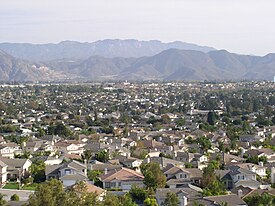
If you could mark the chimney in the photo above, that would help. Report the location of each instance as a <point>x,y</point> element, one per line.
<point>261,164</point>
<point>105,171</point>
<point>85,170</point>
<point>272,175</point>
<point>185,201</point>
<point>240,193</point>
<point>128,155</point>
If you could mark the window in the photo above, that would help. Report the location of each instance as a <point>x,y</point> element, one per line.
<point>67,171</point>
<point>183,176</point>
<point>107,184</point>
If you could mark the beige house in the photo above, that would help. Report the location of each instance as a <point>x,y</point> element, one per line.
<point>122,179</point>
<point>17,168</point>
<point>3,172</point>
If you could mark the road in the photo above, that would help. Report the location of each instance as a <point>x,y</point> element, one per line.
<point>23,194</point>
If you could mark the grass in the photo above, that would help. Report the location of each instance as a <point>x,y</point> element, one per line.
<point>29,187</point>
<point>11,185</point>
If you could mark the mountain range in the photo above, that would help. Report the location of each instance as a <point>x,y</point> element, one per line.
<point>199,63</point>
<point>106,48</point>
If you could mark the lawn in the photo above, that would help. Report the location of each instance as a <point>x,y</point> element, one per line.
<point>11,185</point>
<point>29,187</point>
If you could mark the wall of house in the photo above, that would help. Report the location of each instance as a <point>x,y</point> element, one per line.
<point>125,186</point>
<point>3,174</point>
<point>67,183</point>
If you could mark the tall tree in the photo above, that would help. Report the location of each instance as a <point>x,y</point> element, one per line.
<point>171,200</point>
<point>153,176</point>
<point>211,118</point>
<point>102,156</point>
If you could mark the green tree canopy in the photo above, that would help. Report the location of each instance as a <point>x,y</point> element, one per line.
<point>171,200</point>
<point>153,176</point>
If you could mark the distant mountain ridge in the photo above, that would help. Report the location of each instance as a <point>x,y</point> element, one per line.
<point>107,48</point>
<point>170,64</point>
<point>13,69</point>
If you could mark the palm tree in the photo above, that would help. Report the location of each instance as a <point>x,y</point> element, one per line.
<point>87,155</point>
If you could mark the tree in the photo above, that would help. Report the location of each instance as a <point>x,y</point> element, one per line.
<point>2,201</point>
<point>165,119</point>
<point>59,129</point>
<point>87,155</point>
<point>150,202</point>
<point>260,200</point>
<point>15,197</point>
<point>211,184</point>
<point>273,120</point>
<point>138,194</point>
<point>102,156</point>
<point>211,118</point>
<point>180,122</point>
<point>37,169</point>
<point>93,175</point>
<point>113,200</point>
<point>171,200</point>
<point>153,176</point>
<point>204,143</point>
<point>50,193</point>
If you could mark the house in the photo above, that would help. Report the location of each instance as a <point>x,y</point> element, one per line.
<point>261,152</point>
<point>163,161</point>
<point>51,138</point>
<point>100,166</point>
<point>17,168</point>
<point>36,145</point>
<point>88,188</point>
<point>186,194</point>
<point>122,179</point>
<point>178,176</point>
<point>53,160</point>
<point>70,147</point>
<point>251,138</point>
<point>229,158</point>
<point>69,172</point>
<point>229,200</point>
<point>235,176</point>
<point>6,151</point>
<point>130,162</point>
<point>3,172</point>
<point>258,169</point>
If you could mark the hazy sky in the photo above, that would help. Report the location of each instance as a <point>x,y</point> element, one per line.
<point>241,26</point>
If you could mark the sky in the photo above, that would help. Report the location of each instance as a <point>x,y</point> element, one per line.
<point>240,26</point>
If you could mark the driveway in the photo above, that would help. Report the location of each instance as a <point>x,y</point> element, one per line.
<point>23,194</point>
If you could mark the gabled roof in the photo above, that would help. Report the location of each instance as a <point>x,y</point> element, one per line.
<point>52,169</point>
<point>2,164</point>
<point>123,174</point>
<point>173,170</point>
<point>190,191</point>
<point>18,163</point>
<point>76,177</point>
<point>231,200</point>
<point>234,170</point>
<point>90,188</point>
<point>103,166</point>
<point>74,165</point>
